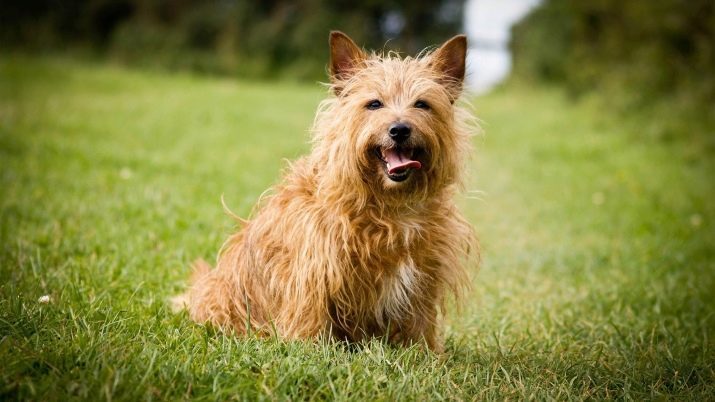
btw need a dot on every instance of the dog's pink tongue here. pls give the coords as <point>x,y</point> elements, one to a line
<point>398,162</point>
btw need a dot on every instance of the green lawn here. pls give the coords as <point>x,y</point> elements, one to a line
<point>597,279</point>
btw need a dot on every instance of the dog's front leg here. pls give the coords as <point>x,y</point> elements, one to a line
<point>421,329</point>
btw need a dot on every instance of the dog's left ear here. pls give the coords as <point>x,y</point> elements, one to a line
<point>345,58</point>
<point>449,63</point>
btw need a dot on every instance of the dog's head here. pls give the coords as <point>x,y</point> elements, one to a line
<point>393,126</point>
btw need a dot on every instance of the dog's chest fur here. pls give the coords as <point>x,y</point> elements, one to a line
<point>397,274</point>
<point>396,292</point>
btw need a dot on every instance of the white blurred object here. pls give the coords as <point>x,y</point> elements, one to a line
<point>487,24</point>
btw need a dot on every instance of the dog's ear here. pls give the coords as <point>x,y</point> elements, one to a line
<point>449,63</point>
<point>345,58</point>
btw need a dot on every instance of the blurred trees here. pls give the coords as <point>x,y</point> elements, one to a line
<point>657,56</point>
<point>257,38</point>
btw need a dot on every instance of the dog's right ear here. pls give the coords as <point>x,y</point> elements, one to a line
<point>345,58</point>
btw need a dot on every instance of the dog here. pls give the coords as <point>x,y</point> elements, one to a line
<point>362,237</point>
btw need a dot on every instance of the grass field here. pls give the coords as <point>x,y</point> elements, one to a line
<point>597,279</point>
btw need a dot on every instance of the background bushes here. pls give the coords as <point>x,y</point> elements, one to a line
<point>652,57</point>
<point>253,38</point>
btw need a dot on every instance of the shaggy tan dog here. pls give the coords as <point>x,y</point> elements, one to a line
<point>362,237</point>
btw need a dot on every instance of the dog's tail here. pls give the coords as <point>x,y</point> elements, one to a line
<point>199,268</point>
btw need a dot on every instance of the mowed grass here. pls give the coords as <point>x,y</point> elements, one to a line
<point>598,248</point>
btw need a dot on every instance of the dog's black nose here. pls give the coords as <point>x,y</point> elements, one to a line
<point>399,132</point>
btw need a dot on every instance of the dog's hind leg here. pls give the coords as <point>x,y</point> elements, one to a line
<point>210,298</point>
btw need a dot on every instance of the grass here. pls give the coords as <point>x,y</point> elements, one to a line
<point>597,279</point>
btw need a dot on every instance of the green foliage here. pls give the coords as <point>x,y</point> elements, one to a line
<point>596,281</point>
<point>246,37</point>
<point>651,58</point>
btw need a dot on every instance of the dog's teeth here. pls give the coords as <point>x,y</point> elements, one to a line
<point>388,165</point>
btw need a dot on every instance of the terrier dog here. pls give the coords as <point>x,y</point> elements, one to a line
<point>362,238</point>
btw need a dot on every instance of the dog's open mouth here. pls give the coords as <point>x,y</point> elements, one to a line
<point>399,162</point>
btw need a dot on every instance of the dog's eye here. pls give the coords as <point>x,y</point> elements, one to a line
<point>374,105</point>
<point>420,104</point>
